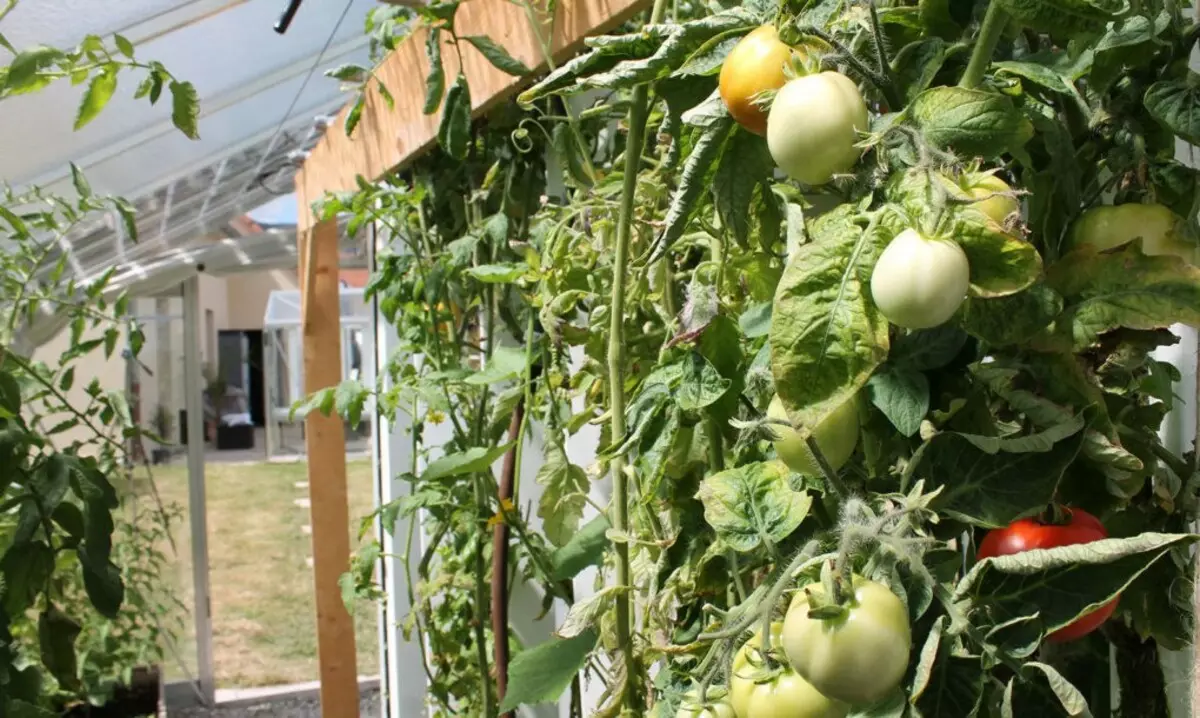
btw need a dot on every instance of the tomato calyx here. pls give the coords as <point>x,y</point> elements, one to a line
<point>833,603</point>
<point>1056,515</point>
<point>767,663</point>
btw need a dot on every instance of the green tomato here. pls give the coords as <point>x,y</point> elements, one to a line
<point>998,207</point>
<point>920,283</point>
<point>717,707</point>
<point>1162,231</point>
<point>836,435</point>
<point>784,695</point>
<point>857,658</point>
<point>813,126</point>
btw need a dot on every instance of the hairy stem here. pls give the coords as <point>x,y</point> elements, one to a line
<point>831,477</point>
<point>985,45</point>
<point>619,515</point>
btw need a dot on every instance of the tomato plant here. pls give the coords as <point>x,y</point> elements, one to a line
<point>754,66</point>
<point>820,364</point>
<point>1076,526</point>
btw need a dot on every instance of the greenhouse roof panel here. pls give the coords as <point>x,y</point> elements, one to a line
<point>264,100</point>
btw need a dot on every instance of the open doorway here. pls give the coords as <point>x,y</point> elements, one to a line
<point>240,362</point>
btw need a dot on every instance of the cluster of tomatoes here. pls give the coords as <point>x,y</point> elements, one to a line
<point>818,664</point>
<point>812,127</point>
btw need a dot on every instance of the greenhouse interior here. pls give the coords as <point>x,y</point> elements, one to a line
<point>599,358</point>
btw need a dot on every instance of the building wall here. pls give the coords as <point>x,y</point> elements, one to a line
<point>246,296</point>
<point>236,301</point>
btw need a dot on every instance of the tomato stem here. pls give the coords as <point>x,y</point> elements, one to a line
<point>993,25</point>
<point>619,514</point>
<point>831,477</point>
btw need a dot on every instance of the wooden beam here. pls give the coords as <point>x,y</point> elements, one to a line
<point>325,443</point>
<point>387,139</point>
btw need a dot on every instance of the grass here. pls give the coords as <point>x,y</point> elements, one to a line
<point>263,613</point>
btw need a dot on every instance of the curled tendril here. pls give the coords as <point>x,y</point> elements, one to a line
<point>520,136</point>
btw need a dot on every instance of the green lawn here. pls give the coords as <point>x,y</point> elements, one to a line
<point>264,620</point>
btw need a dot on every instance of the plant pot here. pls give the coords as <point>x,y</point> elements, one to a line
<point>140,698</point>
<point>235,437</point>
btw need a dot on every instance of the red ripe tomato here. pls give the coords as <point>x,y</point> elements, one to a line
<point>1030,534</point>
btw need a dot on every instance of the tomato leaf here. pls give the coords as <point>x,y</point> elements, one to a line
<point>587,612</point>
<point>56,637</point>
<point>1068,695</point>
<point>902,394</point>
<point>585,548</point>
<point>955,686</point>
<point>479,458</point>
<point>1000,263</point>
<point>1062,17</point>
<point>753,503</point>
<point>497,55</point>
<point>745,161</point>
<point>540,674</point>
<point>692,182</point>
<point>454,131</point>
<point>1055,70</point>
<point>98,93</point>
<point>707,60</point>
<point>1061,584</point>
<point>564,495</point>
<point>498,273</point>
<point>973,122</point>
<point>701,385</point>
<point>185,109</point>
<point>24,73</point>
<point>937,19</point>
<point>435,81</point>
<point>1123,288</point>
<point>1175,104</point>
<point>918,63</point>
<point>1015,319</point>
<point>827,336</point>
<point>992,489</point>
<point>678,42</point>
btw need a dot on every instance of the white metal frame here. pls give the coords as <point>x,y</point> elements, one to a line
<point>197,506</point>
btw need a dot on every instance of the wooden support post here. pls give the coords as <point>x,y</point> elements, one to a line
<point>326,448</point>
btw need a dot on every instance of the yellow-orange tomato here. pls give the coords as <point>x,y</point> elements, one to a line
<point>754,65</point>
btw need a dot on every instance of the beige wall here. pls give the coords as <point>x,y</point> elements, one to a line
<point>247,296</point>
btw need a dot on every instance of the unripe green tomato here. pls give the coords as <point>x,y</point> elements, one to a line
<point>836,435</point>
<point>920,283</point>
<point>858,658</point>
<point>1162,231</point>
<point>786,695</point>
<point>813,126</point>
<point>694,708</point>
<point>998,207</point>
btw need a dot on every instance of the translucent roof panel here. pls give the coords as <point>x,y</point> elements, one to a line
<point>264,101</point>
<point>283,309</point>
